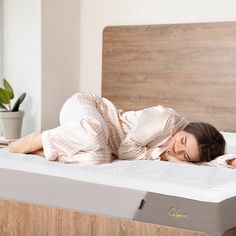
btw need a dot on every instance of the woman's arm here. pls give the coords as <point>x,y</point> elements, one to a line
<point>151,124</point>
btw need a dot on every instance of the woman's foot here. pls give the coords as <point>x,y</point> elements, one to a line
<point>26,144</point>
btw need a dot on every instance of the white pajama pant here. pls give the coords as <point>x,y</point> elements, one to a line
<point>82,136</point>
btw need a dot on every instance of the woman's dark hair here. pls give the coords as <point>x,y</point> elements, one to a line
<point>211,142</point>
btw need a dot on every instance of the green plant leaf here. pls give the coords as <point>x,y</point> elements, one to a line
<point>2,106</point>
<point>18,102</point>
<point>4,97</point>
<point>8,89</point>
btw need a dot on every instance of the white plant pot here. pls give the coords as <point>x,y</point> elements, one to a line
<point>11,124</point>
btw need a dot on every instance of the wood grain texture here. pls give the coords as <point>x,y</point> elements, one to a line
<point>189,67</point>
<point>19,219</point>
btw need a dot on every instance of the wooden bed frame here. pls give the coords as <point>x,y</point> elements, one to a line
<point>189,67</point>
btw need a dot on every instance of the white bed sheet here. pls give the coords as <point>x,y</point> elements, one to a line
<point>203,183</point>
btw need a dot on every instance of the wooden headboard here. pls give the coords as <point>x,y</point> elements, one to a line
<point>189,67</point>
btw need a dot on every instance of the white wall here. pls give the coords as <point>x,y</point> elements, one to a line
<point>1,45</point>
<point>22,56</point>
<point>41,56</point>
<point>96,14</point>
<point>60,56</point>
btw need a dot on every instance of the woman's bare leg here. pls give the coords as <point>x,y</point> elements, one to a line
<point>27,144</point>
<point>39,152</point>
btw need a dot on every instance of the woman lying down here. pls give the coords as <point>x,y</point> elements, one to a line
<point>93,130</point>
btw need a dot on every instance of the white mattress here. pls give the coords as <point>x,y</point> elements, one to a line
<point>202,183</point>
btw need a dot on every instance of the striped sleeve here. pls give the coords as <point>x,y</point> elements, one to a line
<point>151,124</point>
<point>221,161</point>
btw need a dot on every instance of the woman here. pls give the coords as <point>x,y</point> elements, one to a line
<point>93,130</point>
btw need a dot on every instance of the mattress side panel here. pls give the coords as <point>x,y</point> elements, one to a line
<point>69,193</point>
<point>212,218</point>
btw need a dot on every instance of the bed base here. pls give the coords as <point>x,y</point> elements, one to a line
<point>23,219</point>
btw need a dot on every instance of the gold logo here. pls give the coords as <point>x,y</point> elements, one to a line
<point>176,213</point>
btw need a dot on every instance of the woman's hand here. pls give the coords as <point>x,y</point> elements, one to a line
<point>232,162</point>
<point>167,156</point>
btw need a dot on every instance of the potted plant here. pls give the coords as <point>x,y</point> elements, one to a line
<point>10,116</point>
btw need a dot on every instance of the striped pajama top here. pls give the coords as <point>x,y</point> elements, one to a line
<point>93,130</point>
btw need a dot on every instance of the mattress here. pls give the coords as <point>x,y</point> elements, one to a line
<point>127,189</point>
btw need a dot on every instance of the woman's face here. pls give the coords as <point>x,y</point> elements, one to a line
<point>184,146</point>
